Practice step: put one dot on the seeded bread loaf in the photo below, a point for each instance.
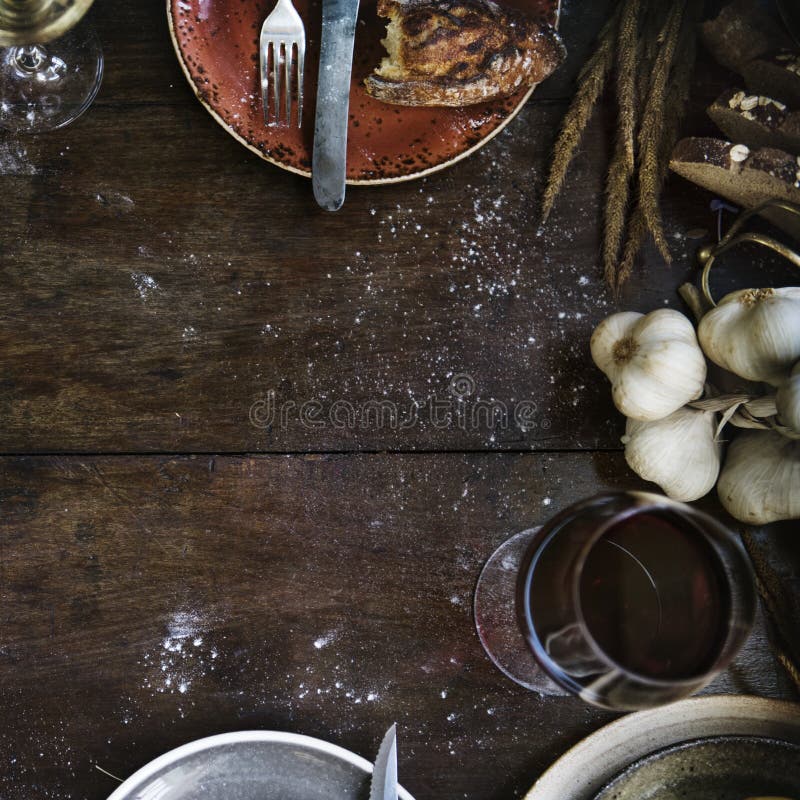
(757, 121)
(460, 52)
(776, 75)
(745, 177)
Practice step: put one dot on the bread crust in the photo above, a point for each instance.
(460, 52)
(743, 176)
(776, 75)
(742, 31)
(756, 120)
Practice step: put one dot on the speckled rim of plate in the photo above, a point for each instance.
(350, 182)
(135, 781)
(644, 765)
(585, 769)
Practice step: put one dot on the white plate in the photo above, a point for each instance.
(581, 772)
(253, 765)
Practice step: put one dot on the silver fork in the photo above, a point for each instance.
(282, 32)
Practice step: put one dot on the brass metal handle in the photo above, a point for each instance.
(708, 254)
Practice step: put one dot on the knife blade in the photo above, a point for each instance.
(329, 158)
(384, 773)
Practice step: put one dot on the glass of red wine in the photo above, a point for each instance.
(628, 600)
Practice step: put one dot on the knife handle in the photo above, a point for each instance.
(329, 159)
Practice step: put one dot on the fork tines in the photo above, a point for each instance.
(278, 72)
(282, 53)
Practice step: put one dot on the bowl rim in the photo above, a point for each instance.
(580, 772)
(149, 770)
(690, 744)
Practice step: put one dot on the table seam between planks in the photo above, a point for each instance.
(301, 453)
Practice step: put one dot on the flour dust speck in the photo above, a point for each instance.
(145, 285)
(181, 659)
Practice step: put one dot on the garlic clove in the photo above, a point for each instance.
(613, 329)
(679, 453)
(653, 361)
(754, 333)
(760, 481)
(788, 400)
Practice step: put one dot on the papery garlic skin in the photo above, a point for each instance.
(760, 481)
(754, 333)
(788, 401)
(653, 361)
(679, 453)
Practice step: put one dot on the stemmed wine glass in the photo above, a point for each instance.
(628, 600)
(50, 67)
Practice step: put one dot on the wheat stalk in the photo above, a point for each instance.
(591, 81)
(627, 50)
(618, 192)
(674, 111)
(623, 162)
(650, 45)
(652, 129)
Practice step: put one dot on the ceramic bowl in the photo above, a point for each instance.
(715, 768)
(253, 765)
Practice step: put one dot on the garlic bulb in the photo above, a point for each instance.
(679, 453)
(754, 333)
(788, 400)
(653, 362)
(760, 481)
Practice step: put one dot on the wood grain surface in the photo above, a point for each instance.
(158, 280)
(150, 601)
(174, 562)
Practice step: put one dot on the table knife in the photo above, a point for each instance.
(329, 158)
(384, 773)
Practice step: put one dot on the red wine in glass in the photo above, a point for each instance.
(628, 600)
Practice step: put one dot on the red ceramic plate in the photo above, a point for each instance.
(217, 44)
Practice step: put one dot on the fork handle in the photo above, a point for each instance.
(329, 159)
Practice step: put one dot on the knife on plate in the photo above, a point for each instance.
(329, 157)
(384, 773)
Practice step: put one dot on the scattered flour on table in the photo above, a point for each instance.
(145, 285)
(182, 658)
(491, 266)
(116, 200)
(325, 640)
(14, 160)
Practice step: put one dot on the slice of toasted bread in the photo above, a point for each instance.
(460, 52)
(775, 75)
(757, 121)
(743, 30)
(747, 178)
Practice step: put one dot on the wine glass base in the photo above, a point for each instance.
(496, 617)
(44, 87)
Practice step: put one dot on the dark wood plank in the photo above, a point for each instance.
(326, 595)
(154, 289)
(158, 280)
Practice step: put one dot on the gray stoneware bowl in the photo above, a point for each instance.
(716, 768)
(253, 765)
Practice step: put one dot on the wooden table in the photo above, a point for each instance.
(173, 567)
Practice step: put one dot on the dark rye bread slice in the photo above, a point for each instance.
(776, 75)
(756, 120)
(742, 31)
(744, 177)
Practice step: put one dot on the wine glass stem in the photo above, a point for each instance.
(29, 59)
